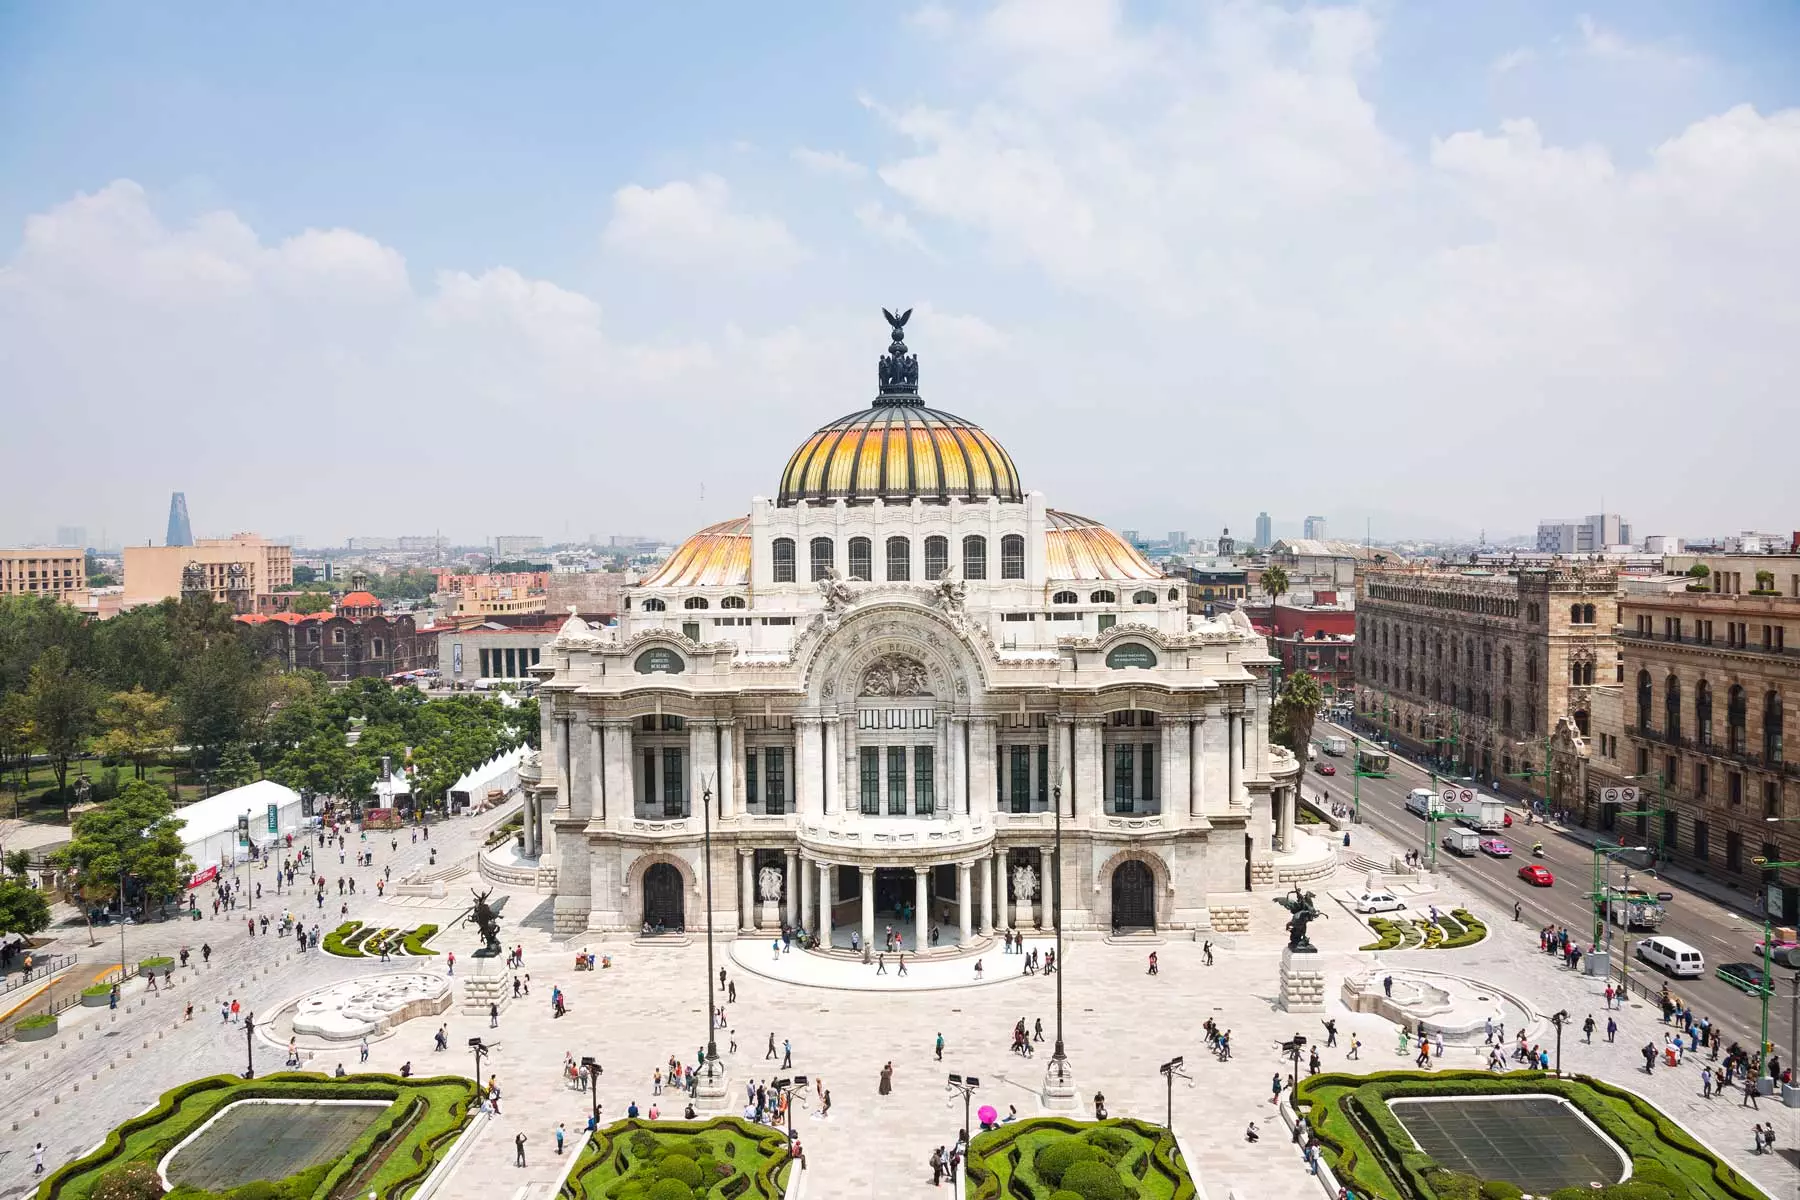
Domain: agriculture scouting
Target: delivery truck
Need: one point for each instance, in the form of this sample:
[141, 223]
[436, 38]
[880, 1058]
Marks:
[1483, 813]
[1465, 842]
[1337, 746]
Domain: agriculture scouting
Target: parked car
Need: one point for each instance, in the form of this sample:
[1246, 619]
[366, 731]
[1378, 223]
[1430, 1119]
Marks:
[1373, 901]
[1776, 946]
[1325, 768]
[1746, 977]
[1496, 847]
[1536, 876]
[1673, 955]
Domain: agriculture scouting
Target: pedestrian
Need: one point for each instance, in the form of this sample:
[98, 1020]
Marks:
[1609, 995]
[787, 1054]
[902, 961]
[450, 959]
[940, 1047]
[37, 1159]
[881, 964]
[1587, 1029]
[493, 1014]
[937, 1167]
[1331, 1032]
[1355, 1047]
[1706, 1083]
[978, 970]
[1206, 953]
[886, 1082]
[1152, 969]
[1612, 1029]
[731, 989]
[771, 1053]
[1749, 1092]
[364, 1051]
[519, 1148]
[1275, 1098]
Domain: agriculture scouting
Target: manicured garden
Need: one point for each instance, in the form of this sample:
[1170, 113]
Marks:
[726, 1157]
[1053, 1158]
[353, 939]
[389, 1157]
[1451, 931]
[1368, 1148]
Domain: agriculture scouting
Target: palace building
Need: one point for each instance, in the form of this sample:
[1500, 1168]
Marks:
[872, 693]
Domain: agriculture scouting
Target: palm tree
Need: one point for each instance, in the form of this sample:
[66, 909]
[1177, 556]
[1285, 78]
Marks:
[1275, 582]
[1296, 708]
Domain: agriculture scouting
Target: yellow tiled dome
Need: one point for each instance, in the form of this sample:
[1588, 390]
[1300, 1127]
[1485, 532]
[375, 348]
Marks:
[895, 452]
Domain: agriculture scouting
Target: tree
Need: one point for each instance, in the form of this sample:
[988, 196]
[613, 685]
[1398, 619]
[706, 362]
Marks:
[18, 862]
[63, 707]
[23, 908]
[16, 732]
[138, 726]
[1295, 709]
[305, 574]
[1765, 581]
[236, 767]
[312, 602]
[1275, 582]
[215, 700]
[138, 837]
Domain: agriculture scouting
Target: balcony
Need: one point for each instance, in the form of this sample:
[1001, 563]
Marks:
[1717, 646]
[855, 839]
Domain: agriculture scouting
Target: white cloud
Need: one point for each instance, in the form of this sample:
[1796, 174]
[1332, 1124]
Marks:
[1601, 42]
[830, 163]
[889, 225]
[1513, 60]
[693, 225]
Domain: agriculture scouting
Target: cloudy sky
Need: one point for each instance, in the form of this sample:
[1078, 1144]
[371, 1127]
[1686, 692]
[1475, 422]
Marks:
[567, 269]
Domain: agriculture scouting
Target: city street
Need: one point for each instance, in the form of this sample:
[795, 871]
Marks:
[1721, 933]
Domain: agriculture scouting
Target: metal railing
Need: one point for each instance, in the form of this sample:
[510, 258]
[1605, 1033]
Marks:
[61, 1002]
[39, 973]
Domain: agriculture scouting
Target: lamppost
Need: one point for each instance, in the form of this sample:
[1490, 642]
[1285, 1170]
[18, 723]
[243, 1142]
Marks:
[1545, 774]
[784, 1087]
[966, 1085]
[250, 1046]
[481, 1052]
[593, 1069]
[712, 1046]
[1655, 832]
[1603, 856]
[1056, 1075]
[1559, 1019]
[1292, 1050]
[1169, 1070]
[1767, 990]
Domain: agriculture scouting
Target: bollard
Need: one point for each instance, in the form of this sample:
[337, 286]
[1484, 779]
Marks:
[96, 1075]
[112, 1065]
[127, 1054]
[78, 1087]
[56, 1099]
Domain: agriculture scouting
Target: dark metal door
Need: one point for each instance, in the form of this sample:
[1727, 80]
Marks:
[1134, 897]
[663, 897]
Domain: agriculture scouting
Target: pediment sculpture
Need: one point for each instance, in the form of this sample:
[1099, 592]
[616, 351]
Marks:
[896, 675]
[769, 882]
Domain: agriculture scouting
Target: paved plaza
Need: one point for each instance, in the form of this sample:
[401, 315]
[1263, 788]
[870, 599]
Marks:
[1120, 1024]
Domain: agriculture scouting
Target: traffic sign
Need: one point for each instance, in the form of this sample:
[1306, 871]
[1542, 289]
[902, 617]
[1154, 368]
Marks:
[1449, 796]
[1629, 795]
[1609, 795]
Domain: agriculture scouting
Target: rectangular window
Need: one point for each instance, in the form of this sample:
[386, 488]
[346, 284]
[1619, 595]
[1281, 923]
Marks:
[1043, 780]
[1643, 765]
[937, 556]
[924, 792]
[1107, 621]
[1702, 841]
[823, 558]
[1771, 798]
[690, 630]
[1702, 780]
[775, 794]
[1019, 765]
[512, 663]
[1734, 787]
[870, 759]
[1012, 557]
[1147, 784]
[674, 796]
[649, 778]
[1671, 826]
[899, 560]
[1124, 776]
[534, 658]
[860, 565]
[484, 664]
[896, 781]
[1734, 850]
[750, 780]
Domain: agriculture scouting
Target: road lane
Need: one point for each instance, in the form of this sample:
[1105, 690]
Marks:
[1721, 934]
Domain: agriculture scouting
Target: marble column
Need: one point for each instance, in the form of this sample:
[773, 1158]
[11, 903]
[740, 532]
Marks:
[809, 767]
[701, 766]
[621, 800]
[528, 811]
[964, 903]
[807, 910]
[727, 771]
[831, 753]
[596, 809]
[921, 908]
[1196, 766]
[825, 905]
[790, 898]
[1090, 769]
[985, 885]
[1002, 880]
[1234, 722]
[746, 889]
[868, 906]
[959, 765]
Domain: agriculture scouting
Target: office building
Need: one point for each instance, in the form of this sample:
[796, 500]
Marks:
[236, 570]
[74, 536]
[509, 547]
[1265, 531]
[1592, 534]
[1314, 528]
[180, 532]
[44, 571]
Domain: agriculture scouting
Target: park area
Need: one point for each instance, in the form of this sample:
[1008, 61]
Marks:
[1051, 1158]
[1468, 1135]
[669, 1160]
[286, 1137]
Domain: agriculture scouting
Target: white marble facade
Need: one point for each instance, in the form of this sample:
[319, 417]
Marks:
[884, 709]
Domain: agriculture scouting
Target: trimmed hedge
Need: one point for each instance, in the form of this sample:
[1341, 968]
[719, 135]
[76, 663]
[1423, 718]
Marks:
[415, 941]
[353, 939]
[38, 1020]
[150, 1135]
[97, 989]
[1371, 1152]
[725, 1156]
[335, 944]
[155, 964]
[1045, 1158]
[1473, 930]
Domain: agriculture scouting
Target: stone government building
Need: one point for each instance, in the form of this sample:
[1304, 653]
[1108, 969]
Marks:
[884, 676]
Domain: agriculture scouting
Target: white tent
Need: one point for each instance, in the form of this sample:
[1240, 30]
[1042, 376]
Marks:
[212, 827]
[500, 772]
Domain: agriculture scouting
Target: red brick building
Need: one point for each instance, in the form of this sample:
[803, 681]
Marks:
[355, 640]
[1318, 638]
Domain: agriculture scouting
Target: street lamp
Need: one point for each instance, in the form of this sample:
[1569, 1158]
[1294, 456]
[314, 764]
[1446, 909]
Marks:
[1767, 990]
[593, 1069]
[712, 1045]
[1057, 1072]
[250, 1046]
[481, 1052]
[1559, 1019]
[1603, 856]
[784, 1087]
[966, 1085]
[1170, 1070]
[1292, 1050]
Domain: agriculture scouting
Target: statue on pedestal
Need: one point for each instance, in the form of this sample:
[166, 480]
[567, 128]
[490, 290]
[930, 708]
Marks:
[1300, 904]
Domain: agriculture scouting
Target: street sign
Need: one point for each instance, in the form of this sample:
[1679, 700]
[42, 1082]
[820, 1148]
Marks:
[1630, 795]
[1609, 795]
[1466, 795]
[1449, 796]
[273, 822]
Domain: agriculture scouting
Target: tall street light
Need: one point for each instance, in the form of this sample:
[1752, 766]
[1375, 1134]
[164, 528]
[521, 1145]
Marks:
[1768, 979]
[1170, 1070]
[593, 1068]
[712, 1045]
[966, 1085]
[481, 1051]
[250, 1046]
[1559, 1019]
[1057, 1073]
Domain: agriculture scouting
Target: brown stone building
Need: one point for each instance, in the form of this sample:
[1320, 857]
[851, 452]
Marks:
[1480, 667]
[1705, 727]
[357, 639]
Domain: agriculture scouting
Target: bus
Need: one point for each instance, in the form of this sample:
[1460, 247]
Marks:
[1371, 760]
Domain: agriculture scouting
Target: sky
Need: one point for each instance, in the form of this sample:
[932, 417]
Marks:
[561, 269]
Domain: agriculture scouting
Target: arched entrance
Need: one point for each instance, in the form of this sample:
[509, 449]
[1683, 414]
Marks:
[1133, 896]
[663, 898]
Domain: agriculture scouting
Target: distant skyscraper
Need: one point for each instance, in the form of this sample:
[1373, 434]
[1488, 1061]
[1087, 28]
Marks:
[1590, 535]
[72, 535]
[180, 532]
[1265, 533]
[1178, 541]
[1315, 528]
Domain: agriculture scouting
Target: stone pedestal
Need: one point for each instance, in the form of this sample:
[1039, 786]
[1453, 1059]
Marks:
[1025, 914]
[1302, 983]
[711, 1094]
[1058, 1093]
[769, 915]
[484, 984]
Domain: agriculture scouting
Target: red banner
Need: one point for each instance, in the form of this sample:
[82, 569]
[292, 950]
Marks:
[207, 876]
[381, 818]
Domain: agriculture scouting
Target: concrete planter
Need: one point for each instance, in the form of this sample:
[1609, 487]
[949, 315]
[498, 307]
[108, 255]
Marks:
[1790, 1095]
[35, 1033]
[99, 1001]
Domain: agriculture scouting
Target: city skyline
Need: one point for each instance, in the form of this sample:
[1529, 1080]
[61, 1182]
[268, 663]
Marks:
[1572, 223]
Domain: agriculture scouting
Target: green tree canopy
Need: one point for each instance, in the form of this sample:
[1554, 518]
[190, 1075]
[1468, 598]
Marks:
[312, 602]
[1295, 710]
[138, 836]
[139, 725]
[64, 704]
[1275, 582]
[23, 908]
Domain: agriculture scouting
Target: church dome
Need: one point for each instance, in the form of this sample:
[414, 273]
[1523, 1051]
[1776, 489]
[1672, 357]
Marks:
[897, 449]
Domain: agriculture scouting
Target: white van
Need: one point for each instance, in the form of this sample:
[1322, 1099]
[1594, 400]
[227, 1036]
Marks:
[1674, 957]
[1420, 801]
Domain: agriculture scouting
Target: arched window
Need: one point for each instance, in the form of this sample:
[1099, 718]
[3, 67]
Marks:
[695, 602]
[1064, 598]
[899, 560]
[783, 549]
[861, 556]
[974, 557]
[824, 557]
[1174, 593]
[1143, 598]
[1440, 647]
[1703, 712]
[1587, 614]
[1574, 614]
[1645, 698]
[1736, 718]
[1575, 674]
[1012, 557]
[1103, 598]
[937, 556]
[1531, 669]
[1487, 703]
[1487, 656]
[1772, 729]
[1506, 712]
[654, 605]
[1469, 653]
[1506, 664]
[732, 602]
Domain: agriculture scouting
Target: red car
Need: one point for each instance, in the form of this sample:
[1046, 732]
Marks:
[1325, 768]
[1536, 876]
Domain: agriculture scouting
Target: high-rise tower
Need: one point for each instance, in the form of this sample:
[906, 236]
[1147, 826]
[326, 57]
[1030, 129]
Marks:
[1264, 531]
[180, 532]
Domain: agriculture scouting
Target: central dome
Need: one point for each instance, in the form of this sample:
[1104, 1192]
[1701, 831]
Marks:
[897, 449]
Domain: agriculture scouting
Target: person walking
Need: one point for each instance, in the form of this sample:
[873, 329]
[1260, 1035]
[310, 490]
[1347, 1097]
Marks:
[364, 1053]
[886, 1085]
[902, 961]
[1152, 969]
[1331, 1032]
[771, 1053]
[519, 1149]
[940, 1047]
[1587, 1029]
[731, 991]
[1355, 1047]
[37, 1159]
[1206, 953]
[1612, 1029]
[787, 1054]
[559, 1138]
[493, 1014]
[1749, 1093]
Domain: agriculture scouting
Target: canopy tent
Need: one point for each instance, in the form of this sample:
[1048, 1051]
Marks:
[221, 829]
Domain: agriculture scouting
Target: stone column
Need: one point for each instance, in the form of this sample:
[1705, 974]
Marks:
[621, 798]
[1234, 722]
[1197, 766]
[559, 753]
[825, 905]
[789, 897]
[746, 889]
[528, 809]
[809, 765]
[921, 908]
[596, 790]
[984, 883]
[808, 912]
[1090, 769]
[701, 765]
[1002, 885]
[868, 906]
[964, 902]
[940, 767]
[982, 765]
[959, 764]
[831, 754]
[727, 771]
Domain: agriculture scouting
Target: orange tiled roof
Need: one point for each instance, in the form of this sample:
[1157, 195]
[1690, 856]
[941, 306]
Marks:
[359, 600]
[252, 618]
[1080, 548]
[717, 556]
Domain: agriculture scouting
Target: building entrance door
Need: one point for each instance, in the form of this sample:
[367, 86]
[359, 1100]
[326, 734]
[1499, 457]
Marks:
[1133, 896]
[663, 898]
